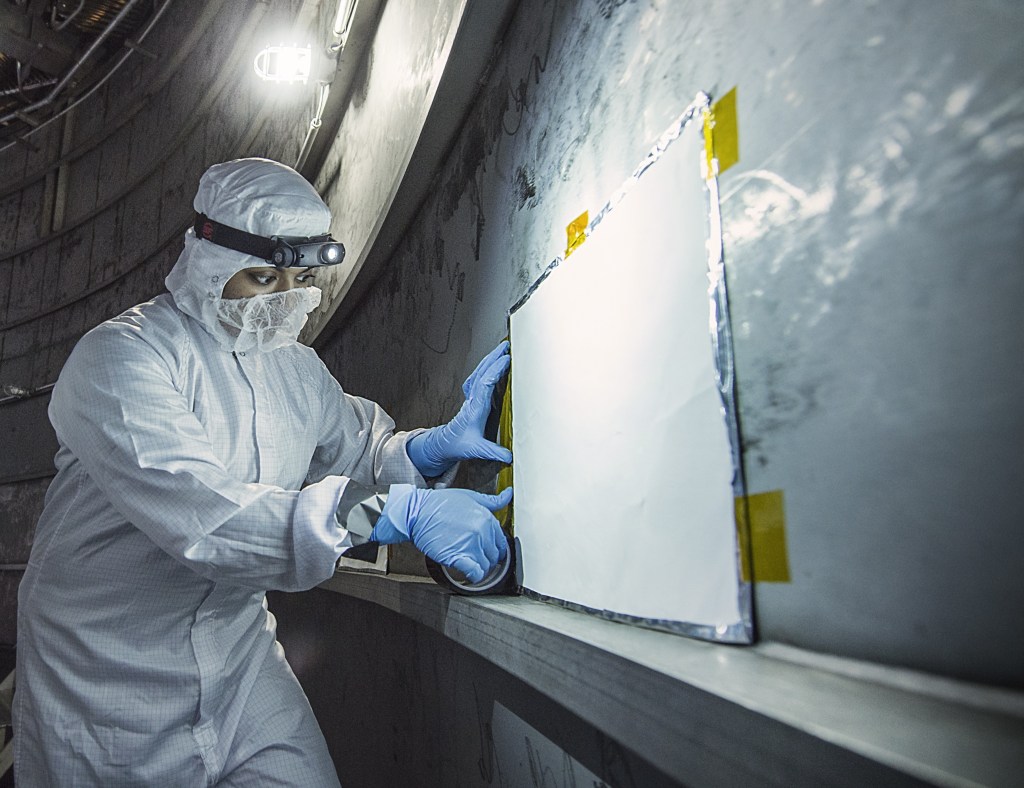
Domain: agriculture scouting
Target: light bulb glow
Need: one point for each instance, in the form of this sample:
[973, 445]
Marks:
[284, 64]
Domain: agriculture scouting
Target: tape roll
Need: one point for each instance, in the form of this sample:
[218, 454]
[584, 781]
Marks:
[500, 580]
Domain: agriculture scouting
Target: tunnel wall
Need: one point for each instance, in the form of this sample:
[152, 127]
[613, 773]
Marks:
[93, 209]
[873, 240]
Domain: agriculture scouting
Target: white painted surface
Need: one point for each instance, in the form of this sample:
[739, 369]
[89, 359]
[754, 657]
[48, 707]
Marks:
[623, 473]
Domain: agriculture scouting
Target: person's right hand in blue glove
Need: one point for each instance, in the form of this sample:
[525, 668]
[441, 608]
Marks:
[451, 526]
[436, 450]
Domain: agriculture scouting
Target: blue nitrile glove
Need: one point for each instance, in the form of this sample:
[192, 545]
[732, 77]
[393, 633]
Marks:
[436, 450]
[453, 527]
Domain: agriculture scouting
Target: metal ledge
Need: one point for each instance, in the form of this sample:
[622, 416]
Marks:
[711, 714]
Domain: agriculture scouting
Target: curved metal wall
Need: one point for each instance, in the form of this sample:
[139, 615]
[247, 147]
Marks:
[873, 238]
[94, 219]
[94, 208]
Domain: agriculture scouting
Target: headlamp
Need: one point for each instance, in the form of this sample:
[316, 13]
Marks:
[281, 251]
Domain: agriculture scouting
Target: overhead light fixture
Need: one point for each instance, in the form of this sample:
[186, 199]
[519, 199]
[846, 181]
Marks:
[284, 64]
[343, 23]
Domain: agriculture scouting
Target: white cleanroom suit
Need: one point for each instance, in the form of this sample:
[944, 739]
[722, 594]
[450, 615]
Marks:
[190, 479]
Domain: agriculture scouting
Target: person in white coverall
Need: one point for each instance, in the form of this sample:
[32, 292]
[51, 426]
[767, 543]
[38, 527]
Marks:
[205, 457]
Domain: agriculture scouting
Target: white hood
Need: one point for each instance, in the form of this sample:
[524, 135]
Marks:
[256, 195]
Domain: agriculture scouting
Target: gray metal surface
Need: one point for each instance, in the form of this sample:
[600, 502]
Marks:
[21, 503]
[28, 441]
[874, 234]
[93, 211]
[419, 79]
[701, 713]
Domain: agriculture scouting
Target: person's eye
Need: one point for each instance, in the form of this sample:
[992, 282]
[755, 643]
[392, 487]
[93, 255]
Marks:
[263, 279]
[306, 278]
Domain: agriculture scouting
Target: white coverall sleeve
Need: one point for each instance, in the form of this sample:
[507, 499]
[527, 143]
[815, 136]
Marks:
[117, 410]
[372, 453]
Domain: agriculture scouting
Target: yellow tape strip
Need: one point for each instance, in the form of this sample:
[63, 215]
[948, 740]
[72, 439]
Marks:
[576, 232]
[721, 136]
[707, 165]
[505, 439]
[761, 528]
[726, 131]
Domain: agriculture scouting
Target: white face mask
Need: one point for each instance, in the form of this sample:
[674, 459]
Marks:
[267, 321]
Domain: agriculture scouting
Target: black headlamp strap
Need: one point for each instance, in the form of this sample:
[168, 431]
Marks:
[231, 238]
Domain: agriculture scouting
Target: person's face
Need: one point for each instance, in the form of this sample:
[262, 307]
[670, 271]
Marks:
[256, 281]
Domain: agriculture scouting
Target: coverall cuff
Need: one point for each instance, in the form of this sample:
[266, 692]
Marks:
[436, 482]
[359, 509]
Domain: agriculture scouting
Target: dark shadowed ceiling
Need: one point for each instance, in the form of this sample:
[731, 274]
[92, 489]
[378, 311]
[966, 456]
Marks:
[54, 52]
[110, 110]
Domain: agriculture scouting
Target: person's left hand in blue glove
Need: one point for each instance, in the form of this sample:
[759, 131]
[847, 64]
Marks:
[453, 527]
[436, 450]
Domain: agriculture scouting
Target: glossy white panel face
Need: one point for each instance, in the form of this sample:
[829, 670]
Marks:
[623, 473]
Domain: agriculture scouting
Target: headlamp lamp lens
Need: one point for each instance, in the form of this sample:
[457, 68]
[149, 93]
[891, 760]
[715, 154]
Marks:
[331, 254]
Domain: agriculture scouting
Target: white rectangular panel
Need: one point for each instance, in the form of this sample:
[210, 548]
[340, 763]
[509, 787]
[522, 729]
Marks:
[623, 472]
